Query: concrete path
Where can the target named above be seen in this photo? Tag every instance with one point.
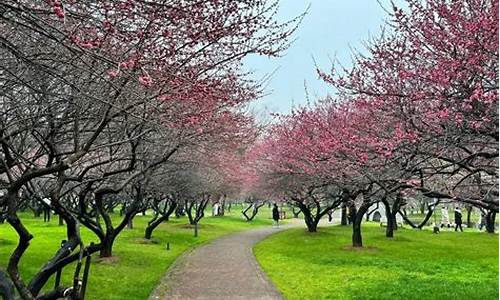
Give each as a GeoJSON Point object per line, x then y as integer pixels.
{"type": "Point", "coordinates": [224, 269]}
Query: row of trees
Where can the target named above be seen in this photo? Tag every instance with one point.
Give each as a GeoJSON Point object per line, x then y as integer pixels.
{"type": "Point", "coordinates": [416, 116]}
{"type": "Point", "coordinates": [125, 103]}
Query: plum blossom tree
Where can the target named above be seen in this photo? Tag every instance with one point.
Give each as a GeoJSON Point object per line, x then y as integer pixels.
{"type": "Point", "coordinates": [418, 113]}
{"type": "Point", "coordinates": [74, 73]}
{"type": "Point", "coordinates": [436, 77]}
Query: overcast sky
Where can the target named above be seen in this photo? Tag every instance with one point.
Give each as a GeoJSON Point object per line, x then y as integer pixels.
{"type": "Point", "coordinates": [328, 31]}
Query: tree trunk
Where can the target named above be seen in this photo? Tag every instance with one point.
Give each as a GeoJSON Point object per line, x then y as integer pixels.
{"type": "Point", "coordinates": [469, 212]}
{"type": "Point", "coordinates": [61, 220]}
{"type": "Point", "coordinates": [255, 209]}
{"type": "Point", "coordinates": [72, 231]}
{"type": "Point", "coordinates": [189, 213]}
{"type": "Point", "coordinates": [222, 206]}
{"type": "Point", "coordinates": [312, 225]}
{"type": "Point", "coordinates": [357, 239]}
{"type": "Point", "coordinates": [430, 212]}
{"type": "Point", "coordinates": [343, 215]}
{"type": "Point", "coordinates": [157, 220]}
{"type": "Point", "coordinates": [148, 233]}
{"type": "Point", "coordinates": [391, 224]}
{"type": "Point", "coordinates": [107, 246]}
{"type": "Point", "coordinates": [391, 220]}
{"type": "Point", "coordinates": [46, 215]}
{"type": "Point", "coordinates": [7, 291]}
{"type": "Point", "coordinates": [490, 221]}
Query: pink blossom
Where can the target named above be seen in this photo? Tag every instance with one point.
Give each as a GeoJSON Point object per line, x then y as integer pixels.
{"type": "Point", "coordinates": [113, 73]}
{"type": "Point", "coordinates": [58, 10]}
{"type": "Point", "coordinates": [145, 80]}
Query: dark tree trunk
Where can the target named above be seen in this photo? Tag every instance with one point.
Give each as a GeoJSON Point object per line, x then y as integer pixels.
{"type": "Point", "coordinates": [255, 209]}
{"type": "Point", "coordinates": [430, 212]}
{"type": "Point", "coordinates": [390, 213]}
{"type": "Point", "coordinates": [343, 215]}
{"type": "Point", "coordinates": [196, 210]}
{"type": "Point", "coordinates": [357, 239]}
{"type": "Point", "coordinates": [107, 238]}
{"type": "Point", "coordinates": [73, 240]}
{"type": "Point", "coordinates": [312, 216]}
{"type": "Point", "coordinates": [295, 213]}
{"type": "Point", "coordinates": [352, 213]}
{"type": "Point", "coordinates": [7, 290]}
{"type": "Point", "coordinates": [25, 237]}
{"type": "Point", "coordinates": [490, 221]}
{"type": "Point", "coordinates": [222, 206]}
{"type": "Point", "coordinates": [148, 233]}
{"type": "Point", "coordinates": [158, 219]}
{"type": "Point", "coordinates": [391, 224]}
{"type": "Point", "coordinates": [311, 223]}
{"type": "Point", "coordinates": [46, 215]}
{"type": "Point", "coordinates": [107, 246]}
{"type": "Point", "coordinates": [469, 212]}
{"type": "Point", "coordinates": [61, 220]}
{"type": "Point", "coordinates": [130, 223]}
{"type": "Point", "coordinates": [189, 212]}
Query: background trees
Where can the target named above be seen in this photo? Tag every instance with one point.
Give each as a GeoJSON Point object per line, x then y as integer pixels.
{"type": "Point", "coordinates": [417, 114]}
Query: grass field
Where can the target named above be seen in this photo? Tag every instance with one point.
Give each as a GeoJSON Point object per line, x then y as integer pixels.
{"type": "Point", "coordinates": [414, 265]}
{"type": "Point", "coordinates": [138, 266]}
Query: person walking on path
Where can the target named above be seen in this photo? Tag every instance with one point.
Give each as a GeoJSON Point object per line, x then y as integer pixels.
{"type": "Point", "coordinates": [276, 215]}
{"type": "Point", "coordinates": [458, 219]}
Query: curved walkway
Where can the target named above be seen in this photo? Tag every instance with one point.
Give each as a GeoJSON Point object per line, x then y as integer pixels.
{"type": "Point", "coordinates": [224, 269]}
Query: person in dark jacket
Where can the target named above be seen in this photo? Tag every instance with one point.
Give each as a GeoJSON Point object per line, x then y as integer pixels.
{"type": "Point", "coordinates": [276, 214]}
{"type": "Point", "coordinates": [458, 219]}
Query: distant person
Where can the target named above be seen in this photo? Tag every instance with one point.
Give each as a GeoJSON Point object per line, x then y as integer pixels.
{"type": "Point", "coordinates": [458, 219]}
{"type": "Point", "coordinates": [445, 218]}
{"type": "Point", "coordinates": [215, 209]}
{"type": "Point", "coordinates": [276, 215]}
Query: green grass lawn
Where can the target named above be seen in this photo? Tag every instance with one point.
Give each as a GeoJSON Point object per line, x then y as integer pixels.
{"type": "Point", "coordinates": [139, 266]}
{"type": "Point", "coordinates": [414, 265]}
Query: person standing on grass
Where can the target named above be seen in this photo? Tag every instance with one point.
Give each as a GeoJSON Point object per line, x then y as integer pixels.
{"type": "Point", "coordinates": [445, 219]}
{"type": "Point", "coordinates": [458, 219]}
{"type": "Point", "coordinates": [276, 215]}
